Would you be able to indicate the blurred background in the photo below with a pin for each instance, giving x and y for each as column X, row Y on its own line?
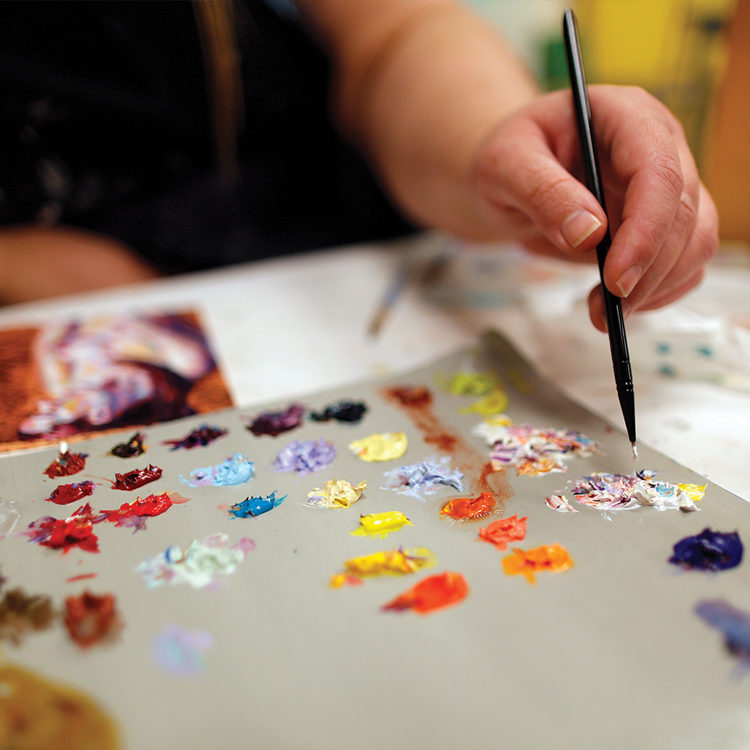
column 694, row 55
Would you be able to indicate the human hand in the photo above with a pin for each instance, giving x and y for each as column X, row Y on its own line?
column 662, row 220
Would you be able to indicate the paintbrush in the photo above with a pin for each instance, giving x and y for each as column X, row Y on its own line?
column 618, row 343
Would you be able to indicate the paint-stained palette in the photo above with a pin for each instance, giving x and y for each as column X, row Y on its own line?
column 605, row 649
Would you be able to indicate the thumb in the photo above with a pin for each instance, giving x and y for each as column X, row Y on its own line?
column 521, row 175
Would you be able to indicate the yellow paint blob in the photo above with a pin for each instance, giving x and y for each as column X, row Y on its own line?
column 472, row 383
column 380, row 447
column 38, row 714
column 381, row 524
column 395, row 562
column 694, row 491
column 337, row 493
column 495, row 402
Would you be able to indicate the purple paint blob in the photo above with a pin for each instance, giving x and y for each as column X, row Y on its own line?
column 305, row 457
column 199, row 437
column 341, row 411
column 709, row 550
column 275, row 422
column 422, row 477
column 182, row 652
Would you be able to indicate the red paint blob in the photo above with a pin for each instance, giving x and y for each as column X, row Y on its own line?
column 152, row 505
column 432, row 593
column 66, row 494
column 469, row 508
column 136, row 478
column 82, row 577
column 66, row 464
column 411, row 395
column 92, row 619
column 500, row 533
column 75, row 531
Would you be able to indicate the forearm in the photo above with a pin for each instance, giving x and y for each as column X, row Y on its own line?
column 420, row 86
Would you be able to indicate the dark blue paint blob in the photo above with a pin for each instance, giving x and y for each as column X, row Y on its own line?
column 255, row 506
column 343, row 411
column 733, row 623
column 199, row 437
column 710, row 550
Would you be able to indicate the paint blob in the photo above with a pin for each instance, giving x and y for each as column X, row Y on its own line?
column 397, row 562
column 9, row 517
column 66, row 494
column 559, row 503
column 616, row 492
column 495, row 402
column 132, row 480
column 234, row 470
column 133, row 515
column 709, row 550
column 66, row 463
column 305, row 456
column 341, row 411
column 36, row 713
column 21, row 613
column 251, row 507
column 92, row 620
column 500, row 533
column 472, row 383
column 182, row 652
column 385, row 446
column 421, row 478
column 431, row 594
column 410, row 395
column 273, row 423
column 531, row 450
column 337, row 493
column 76, row 530
column 469, row 508
column 132, row 448
column 199, row 437
column 381, row 524
column 201, row 565
column 734, row 624
column 548, row 557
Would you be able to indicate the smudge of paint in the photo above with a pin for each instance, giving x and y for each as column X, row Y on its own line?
column 38, row 713
column 495, row 402
column 472, row 383
column 337, row 493
column 381, row 524
column 469, row 508
column 479, row 473
column 615, row 492
column 21, row 613
column 182, row 652
column 199, row 437
column 431, row 594
column 92, row 620
column 384, row 446
column 734, row 624
column 397, row 562
column 709, row 550
column 341, row 411
column 560, row 504
column 505, row 530
column 133, row 515
column 422, row 477
column 66, row 494
column 275, row 422
column 9, row 517
column 82, row 577
column 132, row 448
column 305, row 456
column 66, row 463
column 76, row 530
column 200, row 565
column 234, row 470
column 530, row 449
column 253, row 506
column 552, row 557
column 132, row 480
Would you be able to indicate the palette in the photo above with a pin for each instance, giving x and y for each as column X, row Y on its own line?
column 608, row 653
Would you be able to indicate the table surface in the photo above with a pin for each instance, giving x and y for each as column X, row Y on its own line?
column 295, row 325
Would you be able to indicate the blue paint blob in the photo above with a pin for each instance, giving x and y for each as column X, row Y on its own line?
column 709, row 550
column 733, row 623
column 235, row 470
column 255, row 506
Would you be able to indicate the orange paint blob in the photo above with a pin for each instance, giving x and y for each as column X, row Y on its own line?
column 505, row 530
column 552, row 557
column 469, row 508
column 92, row 619
column 432, row 593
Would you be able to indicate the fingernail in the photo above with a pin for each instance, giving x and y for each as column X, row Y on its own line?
column 627, row 281
column 578, row 226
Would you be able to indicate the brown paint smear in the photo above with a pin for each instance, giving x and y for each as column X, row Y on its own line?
column 479, row 474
